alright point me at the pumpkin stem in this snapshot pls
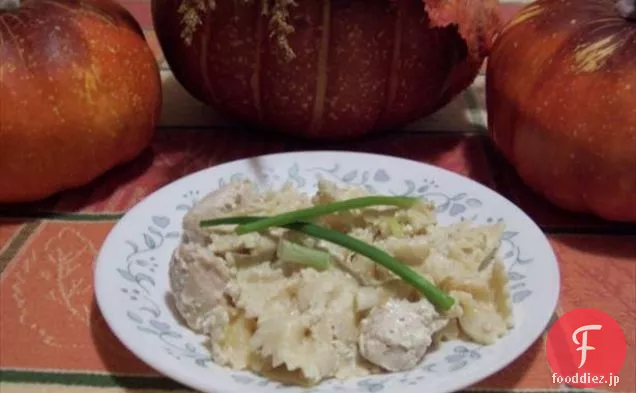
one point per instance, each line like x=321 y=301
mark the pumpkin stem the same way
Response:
x=627 y=9
x=8 y=5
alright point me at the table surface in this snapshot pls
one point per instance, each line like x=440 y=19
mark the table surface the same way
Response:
x=53 y=338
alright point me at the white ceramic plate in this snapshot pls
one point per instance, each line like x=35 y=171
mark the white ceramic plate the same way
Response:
x=131 y=277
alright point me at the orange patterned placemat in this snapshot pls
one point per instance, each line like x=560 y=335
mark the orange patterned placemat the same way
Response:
x=53 y=339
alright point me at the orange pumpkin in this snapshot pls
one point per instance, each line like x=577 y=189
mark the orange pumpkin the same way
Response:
x=325 y=69
x=561 y=101
x=80 y=92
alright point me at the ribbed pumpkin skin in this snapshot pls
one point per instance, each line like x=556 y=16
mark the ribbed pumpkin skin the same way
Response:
x=561 y=101
x=80 y=93
x=360 y=66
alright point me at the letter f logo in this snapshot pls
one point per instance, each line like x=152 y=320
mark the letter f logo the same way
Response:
x=583 y=344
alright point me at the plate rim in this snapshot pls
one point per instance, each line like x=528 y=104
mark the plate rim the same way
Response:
x=470 y=377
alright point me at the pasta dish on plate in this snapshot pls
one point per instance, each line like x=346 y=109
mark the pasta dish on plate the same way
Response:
x=339 y=284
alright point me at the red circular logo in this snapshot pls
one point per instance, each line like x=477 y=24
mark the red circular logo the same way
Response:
x=586 y=348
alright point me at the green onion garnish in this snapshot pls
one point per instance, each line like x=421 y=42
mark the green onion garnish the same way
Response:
x=436 y=296
x=321 y=210
x=297 y=253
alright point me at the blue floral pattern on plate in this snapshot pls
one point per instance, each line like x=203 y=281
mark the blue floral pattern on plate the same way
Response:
x=146 y=310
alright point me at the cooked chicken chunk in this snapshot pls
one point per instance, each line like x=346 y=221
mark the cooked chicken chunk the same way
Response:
x=198 y=279
x=232 y=198
x=198 y=275
x=396 y=335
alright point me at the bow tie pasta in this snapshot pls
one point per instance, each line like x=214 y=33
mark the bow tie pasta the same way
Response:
x=298 y=324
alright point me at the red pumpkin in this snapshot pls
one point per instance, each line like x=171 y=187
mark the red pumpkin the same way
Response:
x=561 y=101
x=328 y=69
x=80 y=92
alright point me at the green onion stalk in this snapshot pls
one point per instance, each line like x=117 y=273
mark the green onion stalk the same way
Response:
x=440 y=299
x=322 y=210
